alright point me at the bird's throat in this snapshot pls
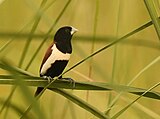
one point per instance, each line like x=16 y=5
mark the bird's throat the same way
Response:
x=64 y=47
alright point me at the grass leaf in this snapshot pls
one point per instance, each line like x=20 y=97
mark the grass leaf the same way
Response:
x=37 y=81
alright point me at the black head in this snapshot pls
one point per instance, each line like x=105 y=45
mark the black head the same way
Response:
x=63 y=37
x=64 y=34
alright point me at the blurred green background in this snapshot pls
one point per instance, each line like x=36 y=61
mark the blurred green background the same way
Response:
x=99 y=22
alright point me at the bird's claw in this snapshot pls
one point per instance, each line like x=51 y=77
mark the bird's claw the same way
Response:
x=69 y=80
x=48 y=78
x=62 y=79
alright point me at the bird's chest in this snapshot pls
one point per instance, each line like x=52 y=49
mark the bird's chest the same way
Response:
x=55 y=63
x=56 y=68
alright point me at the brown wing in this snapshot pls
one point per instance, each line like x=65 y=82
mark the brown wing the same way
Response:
x=48 y=53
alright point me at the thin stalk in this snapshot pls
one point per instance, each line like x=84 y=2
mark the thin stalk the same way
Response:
x=94 y=36
x=114 y=56
x=93 y=44
x=154 y=16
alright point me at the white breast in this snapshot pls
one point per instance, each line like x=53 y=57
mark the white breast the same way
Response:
x=55 y=55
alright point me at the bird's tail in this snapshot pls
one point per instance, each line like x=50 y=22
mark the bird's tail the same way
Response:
x=39 y=89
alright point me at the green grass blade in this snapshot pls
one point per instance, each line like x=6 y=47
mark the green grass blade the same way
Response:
x=81 y=103
x=153 y=14
x=124 y=109
x=37 y=81
x=141 y=107
x=94 y=34
x=144 y=69
x=114 y=56
x=5 y=45
x=32 y=81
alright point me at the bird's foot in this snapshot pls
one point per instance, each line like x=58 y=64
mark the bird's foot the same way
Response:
x=48 y=78
x=69 y=80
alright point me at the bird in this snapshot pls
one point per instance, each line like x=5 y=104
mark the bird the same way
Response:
x=57 y=55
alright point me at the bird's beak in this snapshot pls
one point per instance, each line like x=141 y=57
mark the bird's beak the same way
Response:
x=74 y=30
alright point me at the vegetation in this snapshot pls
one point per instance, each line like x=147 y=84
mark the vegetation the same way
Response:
x=115 y=61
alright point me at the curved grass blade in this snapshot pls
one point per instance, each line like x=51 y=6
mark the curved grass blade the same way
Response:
x=37 y=81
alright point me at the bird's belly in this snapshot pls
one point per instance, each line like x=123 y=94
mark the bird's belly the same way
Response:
x=56 y=68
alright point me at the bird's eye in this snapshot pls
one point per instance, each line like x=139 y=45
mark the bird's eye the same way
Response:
x=67 y=30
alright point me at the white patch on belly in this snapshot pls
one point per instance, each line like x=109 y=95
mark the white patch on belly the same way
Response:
x=55 y=55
